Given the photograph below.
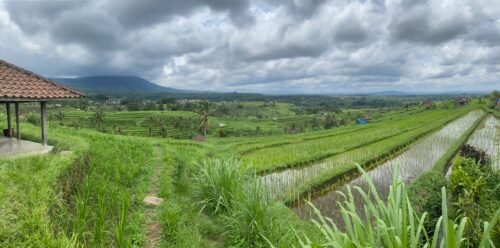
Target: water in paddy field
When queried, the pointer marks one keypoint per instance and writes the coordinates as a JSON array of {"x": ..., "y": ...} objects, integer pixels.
[
  {"x": 412, "y": 163},
  {"x": 487, "y": 138}
]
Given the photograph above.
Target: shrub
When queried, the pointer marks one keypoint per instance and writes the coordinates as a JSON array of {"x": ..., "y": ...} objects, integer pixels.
[
  {"x": 217, "y": 183},
  {"x": 425, "y": 195},
  {"x": 33, "y": 119},
  {"x": 478, "y": 155},
  {"x": 475, "y": 195}
]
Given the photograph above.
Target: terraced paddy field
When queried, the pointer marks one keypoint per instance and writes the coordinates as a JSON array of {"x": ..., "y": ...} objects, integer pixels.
[
  {"x": 415, "y": 161},
  {"x": 172, "y": 124},
  {"x": 292, "y": 153},
  {"x": 293, "y": 182}
]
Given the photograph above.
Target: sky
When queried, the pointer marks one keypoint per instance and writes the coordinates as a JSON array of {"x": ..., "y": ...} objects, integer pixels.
[{"x": 266, "y": 46}]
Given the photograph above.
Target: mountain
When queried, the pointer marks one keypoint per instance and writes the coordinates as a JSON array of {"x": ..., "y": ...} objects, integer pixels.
[{"x": 115, "y": 84}]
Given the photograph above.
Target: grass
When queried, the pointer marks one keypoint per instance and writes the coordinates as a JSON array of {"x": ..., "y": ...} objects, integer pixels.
[
  {"x": 28, "y": 192},
  {"x": 103, "y": 206}
]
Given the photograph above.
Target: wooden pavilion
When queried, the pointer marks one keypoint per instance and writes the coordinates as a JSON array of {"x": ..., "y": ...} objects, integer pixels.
[{"x": 18, "y": 86}]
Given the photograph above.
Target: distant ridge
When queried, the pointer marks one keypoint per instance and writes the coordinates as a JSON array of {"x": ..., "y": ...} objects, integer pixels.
[{"x": 116, "y": 84}]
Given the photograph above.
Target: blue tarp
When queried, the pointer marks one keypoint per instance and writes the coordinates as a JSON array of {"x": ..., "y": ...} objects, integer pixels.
[{"x": 361, "y": 121}]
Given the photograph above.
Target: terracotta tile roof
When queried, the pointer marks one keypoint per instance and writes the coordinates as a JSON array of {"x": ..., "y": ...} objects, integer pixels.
[{"x": 20, "y": 84}]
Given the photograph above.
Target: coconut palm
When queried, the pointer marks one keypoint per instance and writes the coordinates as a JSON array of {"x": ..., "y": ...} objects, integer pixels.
[
  {"x": 204, "y": 123},
  {"x": 98, "y": 118}
]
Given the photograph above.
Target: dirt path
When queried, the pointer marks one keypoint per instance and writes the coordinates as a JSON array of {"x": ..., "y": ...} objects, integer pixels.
[{"x": 152, "y": 225}]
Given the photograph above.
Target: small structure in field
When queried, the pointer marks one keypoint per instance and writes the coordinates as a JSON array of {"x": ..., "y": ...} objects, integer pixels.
[
  {"x": 199, "y": 138},
  {"x": 19, "y": 86},
  {"x": 429, "y": 104},
  {"x": 461, "y": 101},
  {"x": 361, "y": 121},
  {"x": 368, "y": 117}
]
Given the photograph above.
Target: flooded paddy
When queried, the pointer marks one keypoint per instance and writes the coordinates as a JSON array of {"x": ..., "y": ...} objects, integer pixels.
[
  {"x": 487, "y": 138},
  {"x": 418, "y": 159}
]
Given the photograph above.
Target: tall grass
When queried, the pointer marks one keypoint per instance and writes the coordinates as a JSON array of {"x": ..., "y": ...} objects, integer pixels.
[
  {"x": 218, "y": 182},
  {"x": 104, "y": 206},
  {"x": 249, "y": 214},
  {"x": 390, "y": 223}
]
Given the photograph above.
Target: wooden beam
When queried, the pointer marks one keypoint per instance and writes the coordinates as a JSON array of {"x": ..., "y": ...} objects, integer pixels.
[
  {"x": 18, "y": 126},
  {"x": 43, "y": 115},
  {"x": 9, "y": 120}
]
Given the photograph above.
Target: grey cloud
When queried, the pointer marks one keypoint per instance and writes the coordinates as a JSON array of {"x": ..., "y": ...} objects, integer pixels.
[
  {"x": 487, "y": 32},
  {"x": 259, "y": 45},
  {"x": 91, "y": 29},
  {"x": 134, "y": 13},
  {"x": 415, "y": 24},
  {"x": 34, "y": 16}
]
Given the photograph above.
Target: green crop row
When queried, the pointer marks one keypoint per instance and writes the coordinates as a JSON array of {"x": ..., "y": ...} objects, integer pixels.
[
  {"x": 295, "y": 154},
  {"x": 343, "y": 166}
]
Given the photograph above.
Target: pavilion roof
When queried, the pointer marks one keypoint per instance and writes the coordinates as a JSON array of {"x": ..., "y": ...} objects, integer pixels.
[{"x": 19, "y": 84}]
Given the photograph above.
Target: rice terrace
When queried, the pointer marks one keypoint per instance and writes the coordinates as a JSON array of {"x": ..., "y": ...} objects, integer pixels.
[{"x": 249, "y": 124}]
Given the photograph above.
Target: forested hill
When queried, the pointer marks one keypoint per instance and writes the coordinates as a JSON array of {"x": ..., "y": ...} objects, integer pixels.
[{"x": 115, "y": 84}]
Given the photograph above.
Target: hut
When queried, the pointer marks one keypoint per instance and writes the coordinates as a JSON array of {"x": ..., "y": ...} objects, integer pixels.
[
  {"x": 19, "y": 86},
  {"x": 461, "y": 101}
]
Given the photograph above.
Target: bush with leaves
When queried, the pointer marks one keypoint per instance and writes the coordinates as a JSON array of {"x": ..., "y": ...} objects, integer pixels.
[
  {"x": 475, "y": 195},
  {"x": 478, "y": 155}
]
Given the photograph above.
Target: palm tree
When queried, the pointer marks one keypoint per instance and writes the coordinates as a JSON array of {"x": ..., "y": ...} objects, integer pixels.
[
  {"x": 204, "y": 123},
  {"x": 98, "y": 118},
  {"x": 163, "y": 131},
  {"x": 151, "y": 123},
  {"x": 60, "y": 116}
]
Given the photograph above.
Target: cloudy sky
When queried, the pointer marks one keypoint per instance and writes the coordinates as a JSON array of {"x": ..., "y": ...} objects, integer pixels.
[{"x": 274, "y": 46}]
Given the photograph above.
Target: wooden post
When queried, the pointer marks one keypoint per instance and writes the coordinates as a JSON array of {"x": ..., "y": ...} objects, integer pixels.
[
  {"x": 43, "y": 114},
  {"x": 18, "y": 126},
  {"x": 9, "y": 120}
]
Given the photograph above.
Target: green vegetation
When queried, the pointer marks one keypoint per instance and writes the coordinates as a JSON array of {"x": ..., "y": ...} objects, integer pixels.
[
  {"x": 89, "y": 191},
  {"x": 319, "y": 148}
]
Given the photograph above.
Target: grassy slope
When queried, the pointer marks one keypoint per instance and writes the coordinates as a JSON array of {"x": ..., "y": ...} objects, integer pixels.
[{"x": 92, "y": 196}]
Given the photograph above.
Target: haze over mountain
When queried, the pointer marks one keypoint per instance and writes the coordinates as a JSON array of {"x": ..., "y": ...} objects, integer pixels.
[{"x": 117, "y": 84}]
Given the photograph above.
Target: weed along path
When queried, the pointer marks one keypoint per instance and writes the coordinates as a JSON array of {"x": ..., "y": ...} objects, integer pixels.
[
  {"x": 152, "y": 224},
  {"x": 411, "y": 163}
]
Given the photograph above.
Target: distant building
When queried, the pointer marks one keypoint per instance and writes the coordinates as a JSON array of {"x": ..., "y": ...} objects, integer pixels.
[
  {"x": 461, "y": 101},
  {"x": 428, "y": 104}
]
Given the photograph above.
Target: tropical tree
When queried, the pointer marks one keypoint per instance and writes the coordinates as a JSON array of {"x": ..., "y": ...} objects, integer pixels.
[
  {"x": 163, "y": 131},
  {"x": 60, "y": 116},
  {"x": 98, "y": 118},
  {"x": 204, "y": 123},
  {"x": 151, "y": 122}
]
